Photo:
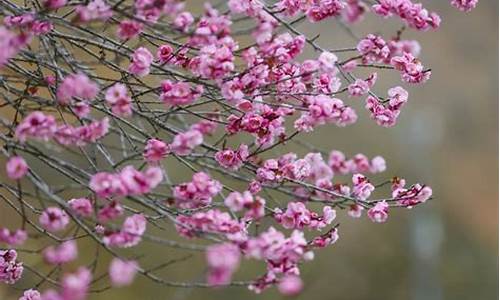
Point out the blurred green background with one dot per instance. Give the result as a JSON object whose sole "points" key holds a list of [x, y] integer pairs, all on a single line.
{"points": [[447, 137]]}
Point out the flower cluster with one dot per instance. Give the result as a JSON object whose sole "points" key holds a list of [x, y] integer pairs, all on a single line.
{"points": [[94, 75], [127, 182], [198, 192]]}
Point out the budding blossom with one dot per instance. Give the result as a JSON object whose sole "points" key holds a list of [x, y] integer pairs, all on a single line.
{"points": [[141, 62], [122, 272], [54, 4], [16, 167], [222, 260], [54, 219]]}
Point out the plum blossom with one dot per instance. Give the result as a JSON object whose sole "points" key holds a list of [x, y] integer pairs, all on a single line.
{"points": [[155, 150], [61, 254], [379, 212], [13, 238], [185, 142], [141, 62], [179, 93], [290, 285], [54, 219], [16, 167], [129, 235], [122, 272], [81, 206], [10, 269], [31, 294], [128, 29], [223, 260], [465, 5], [231, 159], [198, 192]]}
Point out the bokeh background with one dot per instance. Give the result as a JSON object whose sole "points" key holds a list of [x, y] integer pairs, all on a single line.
{"points": [[447, 137]]}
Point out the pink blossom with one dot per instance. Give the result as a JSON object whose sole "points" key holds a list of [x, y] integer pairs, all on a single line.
{"points": [[164, 53], [362, 188], [13, 238], [54, 219], [122, 272], [373, 48], [141, 62], [320, 10], [412, 70], [354, 11], [412, 196], [61, 254], [179, 93], [16, 167], [110, 211], [183, 21], [75, 286], [198, 192], [128, 29], [81, 206], [37, 125], [130, 234], [465, 5], [41, 27], [185, 142], [231, 159], [379, 213], [94, 10], [120, 101], [327, 61], [254, 205], [10, 269], [290, 285], [414, 15], [355, 211], [210, 221], [155, 150], [76, 85], [31, 294], [223, 260]]}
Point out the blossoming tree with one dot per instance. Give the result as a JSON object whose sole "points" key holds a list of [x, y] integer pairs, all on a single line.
{"points": [[105, 100]]}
